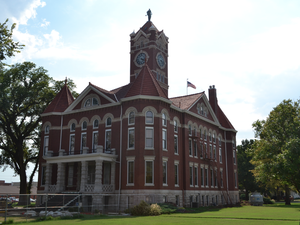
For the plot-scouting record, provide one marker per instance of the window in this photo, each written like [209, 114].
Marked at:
[196, 176]
[47, 129]
[107, 140]
[220, 155]
[46, 145]
[108, 122]
[205, 135]
[164, 139]
[210, 151]
[195, 149]
[209, 136]
[91, 102]
[130, 172]
[235, 179]
[72, 128]
[191, 176]
[214, 138]
[95, 101]
[205, 148]
[175, 126]
[216, 180]
[215, 153]
[211, 177]
[149, 172]
[220, 143]
[190, 130]
[234, 157]
[176, 175]
[83, 140]
[164, 173]
[95, 140]
[164, 120]
[72, 144]
[149, 117]
[131, 118]
[200, 133]
[190, 147]
[202, 176]
[131, 138]
[84, 125]
[70, 175]
[201, 150]
[96, 124]
[206, 177]
[175, 144]
[195, 131]
[221, 178]
[149, 137]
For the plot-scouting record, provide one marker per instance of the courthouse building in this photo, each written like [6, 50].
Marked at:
[135, 139]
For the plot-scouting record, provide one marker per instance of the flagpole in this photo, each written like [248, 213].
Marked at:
[187, 86]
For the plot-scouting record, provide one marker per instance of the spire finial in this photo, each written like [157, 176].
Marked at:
[149, 14]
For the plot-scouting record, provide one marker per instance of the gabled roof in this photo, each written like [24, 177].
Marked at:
[224, 121]
[61, 101]
[145, 84]
[185, 102]
[109, 94]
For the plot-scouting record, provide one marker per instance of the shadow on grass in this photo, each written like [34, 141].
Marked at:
[283, 205]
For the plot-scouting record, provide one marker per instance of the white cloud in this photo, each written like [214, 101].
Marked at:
[45, 23]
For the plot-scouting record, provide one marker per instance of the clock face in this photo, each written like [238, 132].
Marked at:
[160, 60]
[140, 59]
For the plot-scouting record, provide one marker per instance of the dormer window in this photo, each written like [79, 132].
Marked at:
[72, 128]
[108, 122]
[84, 125]
[91, 102]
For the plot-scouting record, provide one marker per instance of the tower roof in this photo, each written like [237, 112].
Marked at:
[145, 84]
[61, 101]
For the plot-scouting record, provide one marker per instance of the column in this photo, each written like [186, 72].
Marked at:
[98, 176]
[113, 174]
[60, 177]
[48, 176]
[84, 172]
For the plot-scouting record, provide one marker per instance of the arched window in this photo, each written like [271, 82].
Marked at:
[175, 126]
[91, 102]
[131, 118]
[209, 136]
[96, 124]
[84, 125]
[214, 138]
[164, 120]
[108, 122]
[47, 129]
[149, 117]
[73, 126]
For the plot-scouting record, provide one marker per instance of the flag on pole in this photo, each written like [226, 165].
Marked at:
[189, 84]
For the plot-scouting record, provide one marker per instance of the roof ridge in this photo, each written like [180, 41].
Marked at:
[183, 96]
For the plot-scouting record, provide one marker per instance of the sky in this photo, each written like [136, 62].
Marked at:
[248, 49]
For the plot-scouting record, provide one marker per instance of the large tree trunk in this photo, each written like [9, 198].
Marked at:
[287, 195]
[23, 186]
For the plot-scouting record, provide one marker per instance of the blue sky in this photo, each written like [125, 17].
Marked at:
[250, 50]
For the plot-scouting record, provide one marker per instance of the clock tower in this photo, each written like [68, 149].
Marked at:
[152, 45]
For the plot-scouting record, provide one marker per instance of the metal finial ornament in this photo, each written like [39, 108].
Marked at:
[149, 14]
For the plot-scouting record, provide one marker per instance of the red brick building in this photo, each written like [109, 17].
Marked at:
[135, 139]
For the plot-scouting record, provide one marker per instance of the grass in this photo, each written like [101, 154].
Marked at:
[277, 213]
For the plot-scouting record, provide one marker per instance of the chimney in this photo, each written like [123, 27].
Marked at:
[212, 93]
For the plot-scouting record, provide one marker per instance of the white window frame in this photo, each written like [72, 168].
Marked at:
[234, 157]
[196, 180]
[47, 129]
[176, 145]
[71, 129]
[190, 147]
[215, 153]
[95, 127]
[195, 149]
[130, 117]
[152, 143]
[202, 176]
[212, 177]
[175, 126]
[164, 139]
[131, 160]
[152, 182]
[176, 168]
[81, 140]
[164, 120]
[93, 140]
[152, 118]
[46, 145]
[191, 176]
[216, 178]
[210, 152]
[220, 155]
[129, 131]
[206, 177]
[165, 173]
[84, 128]
[190, 130]
[106, 131]
[106, 124]
[70, 144]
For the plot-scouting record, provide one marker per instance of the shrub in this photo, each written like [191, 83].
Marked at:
[268, 201]
[243, 197]
[10, 221]
[142, 209]
[155, 210]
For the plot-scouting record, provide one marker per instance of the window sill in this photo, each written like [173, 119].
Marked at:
[176, 185]
[129, 185]
[149, 184]
[164, 149]
[149, 148]
[130, 149]
[165, 185]
[176, 154]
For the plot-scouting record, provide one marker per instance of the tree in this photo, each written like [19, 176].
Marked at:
[25, 92]
[247, 180]
[7, 46]
[276, 155]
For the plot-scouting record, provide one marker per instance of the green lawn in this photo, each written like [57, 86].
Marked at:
[267, 214]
